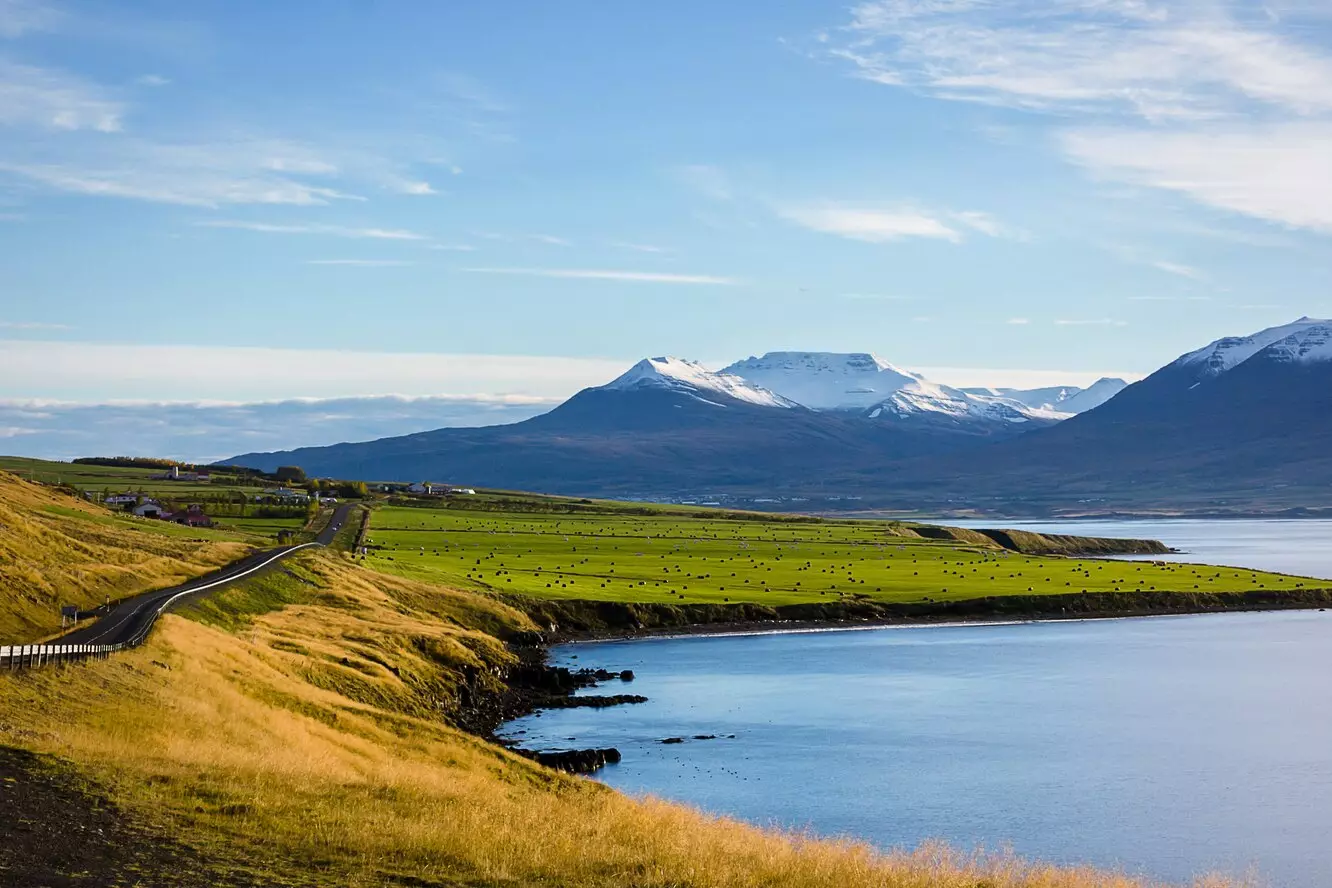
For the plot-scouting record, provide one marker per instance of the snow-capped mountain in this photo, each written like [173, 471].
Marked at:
[693, 379]
[825, 381]
[865, 383]
[1306, 341]
[1069, 399]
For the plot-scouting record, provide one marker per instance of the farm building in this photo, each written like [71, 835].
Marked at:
[192, 517]
[149, 509]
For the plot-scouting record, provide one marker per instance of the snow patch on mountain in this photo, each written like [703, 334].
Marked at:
[825, 381]
[1066, 400]
[866, 383]
[692, 378]
[1305, 340]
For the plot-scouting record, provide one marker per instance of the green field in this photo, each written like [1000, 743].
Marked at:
[672, 558]
[117, 479]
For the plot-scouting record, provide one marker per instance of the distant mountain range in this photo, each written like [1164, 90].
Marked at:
[1243, 423]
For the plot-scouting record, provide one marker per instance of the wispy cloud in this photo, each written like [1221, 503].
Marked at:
[1156, 62]
[1140, 256]
[454, 248]
[550, 239]
[152, 80]
[19, 17]
[649, 277]
[1019, 322]
[363, 263]
[50, 368]
[1281, 173]
[641, 248]
[882, 225]
[709, 181]
[416, 187]
[1094, 322]
[52, 100]
[394, 234]
[31, 325]
[1210, 100]
[877, 297]
[1179, 269]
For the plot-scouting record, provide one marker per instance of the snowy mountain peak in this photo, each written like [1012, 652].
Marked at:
[1305, 340]
[692, 378]
[825, 380]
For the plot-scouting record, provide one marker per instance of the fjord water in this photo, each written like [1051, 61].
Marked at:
[1167, 746]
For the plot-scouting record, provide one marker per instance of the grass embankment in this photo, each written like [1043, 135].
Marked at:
[297, 728]
[807, 569]
[235, 491]
[58, 550]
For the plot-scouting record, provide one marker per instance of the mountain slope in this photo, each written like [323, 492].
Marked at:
[1244, 422]
[665, 425]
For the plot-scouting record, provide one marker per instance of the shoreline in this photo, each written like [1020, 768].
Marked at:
[536, 684]
[578, 621]
[803, 627]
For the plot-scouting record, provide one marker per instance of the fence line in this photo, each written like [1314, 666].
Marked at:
[28, 656]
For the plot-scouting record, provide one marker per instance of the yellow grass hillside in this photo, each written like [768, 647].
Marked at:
[57, 549]
[299, 724]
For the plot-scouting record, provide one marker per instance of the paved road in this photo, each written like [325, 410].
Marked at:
[130, 619]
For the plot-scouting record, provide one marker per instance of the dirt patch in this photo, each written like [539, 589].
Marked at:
[57, 832]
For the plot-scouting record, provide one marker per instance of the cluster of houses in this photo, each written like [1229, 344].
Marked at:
[147, 507]
[426, 488]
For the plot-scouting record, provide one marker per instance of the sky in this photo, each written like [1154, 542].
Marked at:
[491, 206]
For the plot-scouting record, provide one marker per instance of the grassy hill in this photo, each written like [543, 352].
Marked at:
[56, 549]
[297, 731]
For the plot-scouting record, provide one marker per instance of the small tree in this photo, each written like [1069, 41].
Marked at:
[290, 474]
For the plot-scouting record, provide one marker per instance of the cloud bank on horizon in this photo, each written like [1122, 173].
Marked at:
[195, 205]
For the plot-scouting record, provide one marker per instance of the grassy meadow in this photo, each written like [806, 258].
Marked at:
[297, 727]
[647, 556]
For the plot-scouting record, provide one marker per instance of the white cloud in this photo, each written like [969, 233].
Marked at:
[1179, 269]
[598, 274]
[550, 239]
[1278, 172]
[641, 248]
[31, 325]
[454, 248]
[1183, 62]
[877, 297]
[206, 431]
[152, 80]
[1094, 322]
[93, 371]
[362, 263]
[876, 225]
[19, 17]
[332, 230]
[51, 100]
[1019, 322]
[1246, 98]
[413, 187]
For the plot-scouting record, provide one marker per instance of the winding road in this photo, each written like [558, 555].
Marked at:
[129, 620]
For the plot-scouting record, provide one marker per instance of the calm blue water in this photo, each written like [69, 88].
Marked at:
[1168, 746]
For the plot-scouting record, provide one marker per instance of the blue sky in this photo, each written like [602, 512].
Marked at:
[249, 201]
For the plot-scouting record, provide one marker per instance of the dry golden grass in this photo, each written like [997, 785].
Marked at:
[57, 549]
[298, 722]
